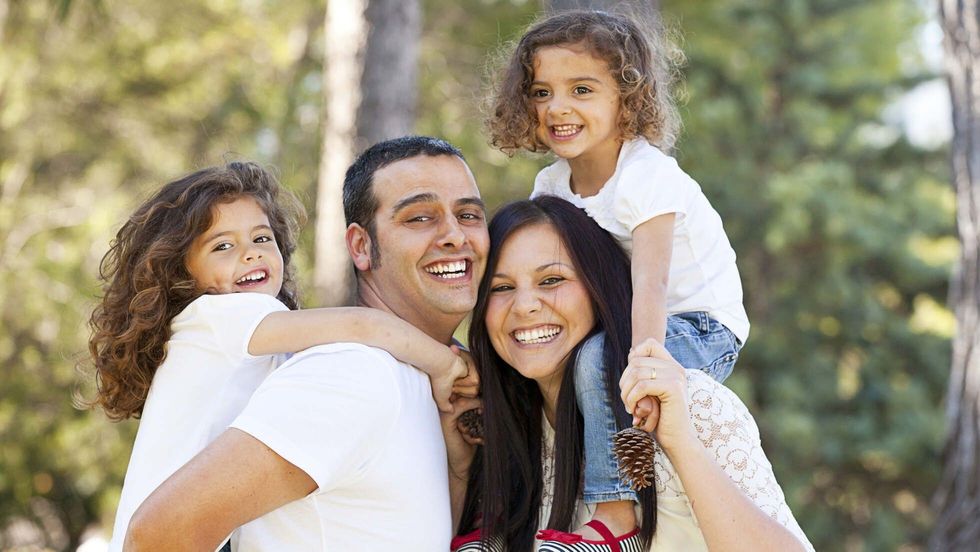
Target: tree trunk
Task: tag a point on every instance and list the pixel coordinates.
(957, 499)
(370, 67)
(390, 69)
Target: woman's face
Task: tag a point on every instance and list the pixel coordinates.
(538, 308)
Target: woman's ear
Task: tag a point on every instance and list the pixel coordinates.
(359, 246)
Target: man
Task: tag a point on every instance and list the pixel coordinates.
(342, 447)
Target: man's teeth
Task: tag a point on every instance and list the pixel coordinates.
(455, 269)
(537, 335)
(251, 277)
(565, 130)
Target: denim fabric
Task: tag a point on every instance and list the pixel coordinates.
(694, 339)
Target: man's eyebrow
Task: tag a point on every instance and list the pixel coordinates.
(475, 201)
(412, 200)
(429, 197)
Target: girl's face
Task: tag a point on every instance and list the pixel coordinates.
(538, 308)
(577, 103)
(238, 253)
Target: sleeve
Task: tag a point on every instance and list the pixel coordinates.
(233, 318)
(327, 411)
(727, 429)
(651, 186)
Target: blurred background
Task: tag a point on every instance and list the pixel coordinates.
(819, 130)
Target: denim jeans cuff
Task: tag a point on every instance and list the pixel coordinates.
(596, 498)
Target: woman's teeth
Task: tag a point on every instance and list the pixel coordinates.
(537, 335)
(455, 269)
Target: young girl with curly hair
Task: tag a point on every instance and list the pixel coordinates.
(199, 305)
(594, 88)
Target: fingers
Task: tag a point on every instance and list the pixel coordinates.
(650, 348)
(653, 419)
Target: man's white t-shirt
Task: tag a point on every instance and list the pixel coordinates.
(648, 183)
(365, 428)
(205, 381)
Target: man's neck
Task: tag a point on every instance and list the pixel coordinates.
(440, 328)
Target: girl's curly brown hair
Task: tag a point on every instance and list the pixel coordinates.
(639, 58)
(146, 282)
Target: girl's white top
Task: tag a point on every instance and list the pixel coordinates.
(204, 383)
(648, 183)
(728, 431)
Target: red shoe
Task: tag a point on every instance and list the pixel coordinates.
(470, 542)
(560, 541)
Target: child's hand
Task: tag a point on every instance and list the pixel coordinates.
(460, 447)
(442, 384)
(469, 385)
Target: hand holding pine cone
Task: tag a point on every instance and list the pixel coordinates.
(634, 452)
(471, 422)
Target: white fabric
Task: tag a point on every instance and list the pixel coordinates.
(648, 183)
(205, 381)
(364, 427)
(727, 429)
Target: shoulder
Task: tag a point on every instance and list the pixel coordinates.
(229, 303)
(716, 411)
(642, 161)
(552, 180)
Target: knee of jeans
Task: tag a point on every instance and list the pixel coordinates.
(589, 366)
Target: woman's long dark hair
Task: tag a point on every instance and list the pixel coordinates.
(506, 484)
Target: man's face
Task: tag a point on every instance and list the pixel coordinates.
(431, 231)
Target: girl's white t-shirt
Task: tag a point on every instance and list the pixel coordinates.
(648, 183)
(203, 384)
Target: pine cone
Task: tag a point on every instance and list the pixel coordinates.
(472, 422)
(634, 451)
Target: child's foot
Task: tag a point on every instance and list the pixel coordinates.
(619, 517)
(613, 528)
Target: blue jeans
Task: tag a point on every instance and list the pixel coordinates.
(694, 339)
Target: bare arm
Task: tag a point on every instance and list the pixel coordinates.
(231, 482)
(728, 518)
(292, 331)
(461, 449)
(653, 243)
(652, 247)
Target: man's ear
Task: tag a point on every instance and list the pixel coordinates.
(359, 246)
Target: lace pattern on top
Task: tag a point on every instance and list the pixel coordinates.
(728, 431)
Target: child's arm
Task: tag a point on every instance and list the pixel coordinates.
(652, 247)
(292, 331)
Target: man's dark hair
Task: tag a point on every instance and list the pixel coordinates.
(360, 203)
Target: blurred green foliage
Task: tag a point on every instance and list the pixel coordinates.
(843, 229)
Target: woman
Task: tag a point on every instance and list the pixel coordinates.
(553, 279)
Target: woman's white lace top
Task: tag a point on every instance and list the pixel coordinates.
(727, 429)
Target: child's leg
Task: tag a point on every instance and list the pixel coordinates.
(614, 499)
(699, 342)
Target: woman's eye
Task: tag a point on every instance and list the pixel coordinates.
(501, 287)
(552, 281)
